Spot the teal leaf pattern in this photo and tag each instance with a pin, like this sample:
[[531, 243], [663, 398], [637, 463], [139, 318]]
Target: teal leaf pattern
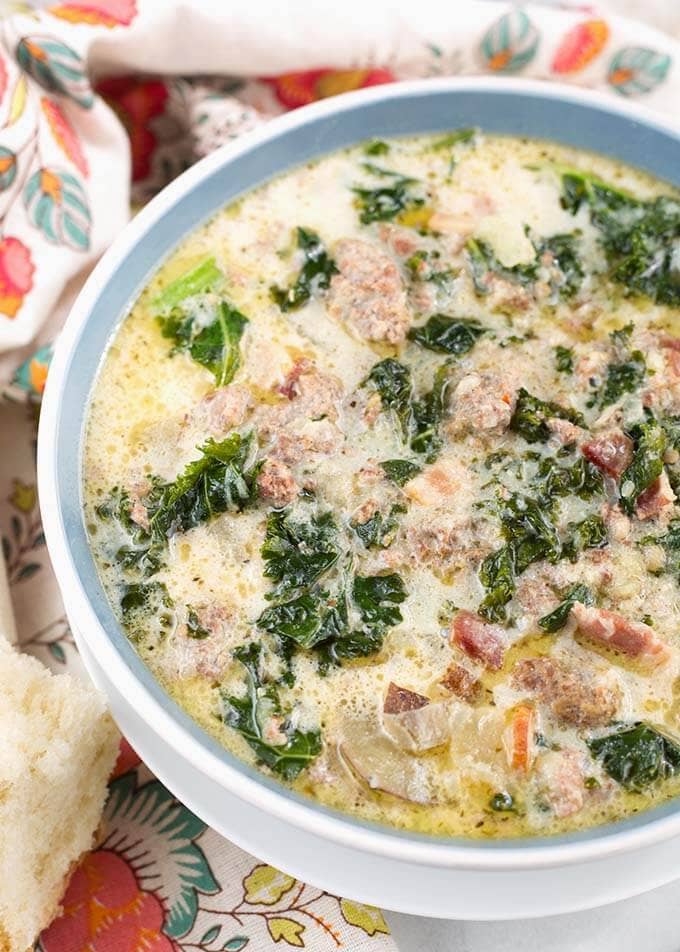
[[635, 70], [211, 935], [236, 943], [56, 67], [510, 43], [57, 205], [149, 814], [8, 168]]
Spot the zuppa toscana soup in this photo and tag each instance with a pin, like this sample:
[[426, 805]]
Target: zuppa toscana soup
[[380, 477]]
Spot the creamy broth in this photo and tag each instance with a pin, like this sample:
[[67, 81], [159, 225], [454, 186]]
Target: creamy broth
[[380, 481]]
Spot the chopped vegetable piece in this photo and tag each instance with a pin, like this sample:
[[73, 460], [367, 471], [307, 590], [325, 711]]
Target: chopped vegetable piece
[[215, 345], [297, 552], [392, 380], [388, 201], [564, 359], [400, 471], [531, 416], [484, 264], [649, 440]]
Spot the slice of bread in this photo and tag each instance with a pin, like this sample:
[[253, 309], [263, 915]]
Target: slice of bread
[[57, 748]]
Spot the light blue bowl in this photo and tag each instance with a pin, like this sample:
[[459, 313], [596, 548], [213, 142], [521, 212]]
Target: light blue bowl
[[563, 114]]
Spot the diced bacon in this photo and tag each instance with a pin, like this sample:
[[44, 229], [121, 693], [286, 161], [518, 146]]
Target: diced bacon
[[221, 410], [368, 293], [611, 452], [289, 387], [671, 343], [479, 639], [565, 432], [520, 738], [655, 499], [400, 699], [633, 638], [276, 483], [559, 775], [574, 699], [437, 483], [481, 402], [461, 682]]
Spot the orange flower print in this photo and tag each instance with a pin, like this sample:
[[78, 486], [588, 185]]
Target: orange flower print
[[37, 375], [580, 46], [299, 89], [108, 13], [136, 103], [105, 909], [16, 275]]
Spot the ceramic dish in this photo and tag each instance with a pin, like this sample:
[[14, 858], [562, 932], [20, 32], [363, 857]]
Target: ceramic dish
[[495, 880]]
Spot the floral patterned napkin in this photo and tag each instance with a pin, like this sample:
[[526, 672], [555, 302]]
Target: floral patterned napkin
[[89, 117]]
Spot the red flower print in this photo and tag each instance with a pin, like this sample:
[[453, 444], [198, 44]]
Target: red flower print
[[136, 102], [127, 759], [299, 89], [105, 910], [97, 12], [16, 275], [580, 46]]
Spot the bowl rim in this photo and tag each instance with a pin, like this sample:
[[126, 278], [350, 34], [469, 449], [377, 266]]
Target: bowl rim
[[511, 854]]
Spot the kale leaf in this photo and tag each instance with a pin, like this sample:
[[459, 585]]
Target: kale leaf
[[649, 440], [138, 552], [315, 274], [392, 380], [223, 478], [400, 471], [215, 345], [639, 237], [531, 414], [637, 756], [248, 715], [194, 627], [380, 529], [306, 619], [448, 335], [564, 359], [580, 478], [387, 201], [297, 552], [558, 617], [427, 414], [563, 248], [497, 575], [202, 278], [377, 599], [484, 264], [624, 376], [589, 533]]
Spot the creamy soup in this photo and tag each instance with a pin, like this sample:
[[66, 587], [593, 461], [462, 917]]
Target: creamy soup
[[380, 477]]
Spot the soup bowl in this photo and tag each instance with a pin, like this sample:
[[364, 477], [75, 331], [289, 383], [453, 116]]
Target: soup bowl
[[450, 878]]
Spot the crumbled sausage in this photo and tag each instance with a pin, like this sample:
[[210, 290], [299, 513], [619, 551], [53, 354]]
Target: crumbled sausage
[[481, 402], [221, 410], [461, 682], [276, 483], [574, 699], [368, 293], [559, 776], [565, 432]]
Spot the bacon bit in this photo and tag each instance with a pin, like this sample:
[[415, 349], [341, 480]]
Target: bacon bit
[[656, 497], [519, 739], [398, 700], [612, 452], [671, 343], [633, 638], [479, 639], [461, 682], [289, 387]]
